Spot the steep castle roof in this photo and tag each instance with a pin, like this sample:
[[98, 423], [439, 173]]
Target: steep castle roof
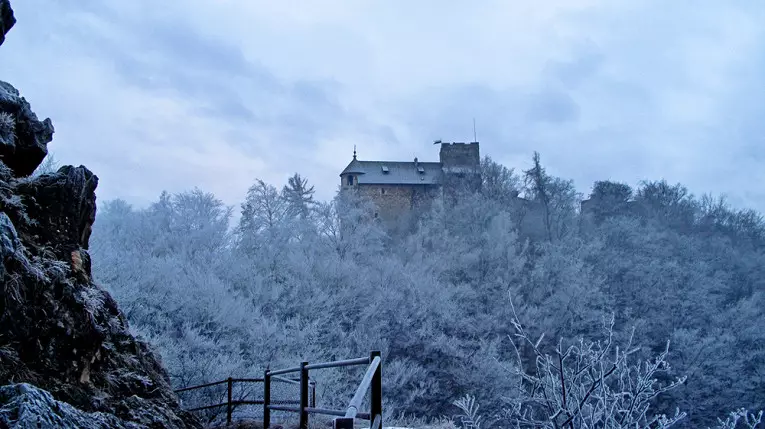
[[394, 172], [354, 167]]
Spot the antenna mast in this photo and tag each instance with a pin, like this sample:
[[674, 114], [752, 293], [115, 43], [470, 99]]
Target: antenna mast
[[475, 138]]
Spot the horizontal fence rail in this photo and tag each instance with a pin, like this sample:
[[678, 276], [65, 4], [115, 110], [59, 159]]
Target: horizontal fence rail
[[344, 419], [338, 364], [232, 403]]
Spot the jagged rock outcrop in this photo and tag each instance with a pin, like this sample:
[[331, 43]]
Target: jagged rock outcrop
[[26, 406], [23, 138], [60, 333], [6, 19]]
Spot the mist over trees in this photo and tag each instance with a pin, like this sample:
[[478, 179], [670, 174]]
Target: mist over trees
[[299, 279]]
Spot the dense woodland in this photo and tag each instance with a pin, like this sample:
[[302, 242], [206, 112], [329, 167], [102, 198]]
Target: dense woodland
[[473, 302]]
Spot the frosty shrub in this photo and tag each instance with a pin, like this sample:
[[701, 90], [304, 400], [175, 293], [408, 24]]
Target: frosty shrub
[[49, 165], [741, 418], [587, 384], [470, 417], [7, 124]]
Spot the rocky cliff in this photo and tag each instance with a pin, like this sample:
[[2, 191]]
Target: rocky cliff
[[6, 19], [67, 358]]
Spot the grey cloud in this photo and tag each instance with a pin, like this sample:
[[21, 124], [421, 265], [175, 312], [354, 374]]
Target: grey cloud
[[174, 59], [584, 66], [553, 106], [190, 49], [447, 113], [504, 119], [230, 110]]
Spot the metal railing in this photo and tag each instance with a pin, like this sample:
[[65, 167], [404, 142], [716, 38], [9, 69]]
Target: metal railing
[[232, 403], [344, 418]]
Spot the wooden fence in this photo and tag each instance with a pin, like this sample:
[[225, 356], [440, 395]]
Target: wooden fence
[[344, 419]]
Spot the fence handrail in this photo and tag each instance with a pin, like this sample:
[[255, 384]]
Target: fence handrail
[[235, 380], [201, 386], [353, 406], [339, 363], [372, 379], [285, 371]]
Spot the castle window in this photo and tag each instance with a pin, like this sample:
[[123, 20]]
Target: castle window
[[382, 191], [350, 180], [385, 169]]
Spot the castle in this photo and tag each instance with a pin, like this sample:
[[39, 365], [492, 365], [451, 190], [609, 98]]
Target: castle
[[401, 190]]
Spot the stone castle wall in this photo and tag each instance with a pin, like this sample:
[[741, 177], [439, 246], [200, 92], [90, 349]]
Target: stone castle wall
[[456, 157], [397, 203]]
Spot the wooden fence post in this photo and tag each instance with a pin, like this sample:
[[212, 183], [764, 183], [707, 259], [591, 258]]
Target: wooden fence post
[[376, 393], [342, 423], [266, 400], [303, 395], [228, 405]]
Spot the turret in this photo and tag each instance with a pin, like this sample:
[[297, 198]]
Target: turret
[[460, 157], [461, 165]]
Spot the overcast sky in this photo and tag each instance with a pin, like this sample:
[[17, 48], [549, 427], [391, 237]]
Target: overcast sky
[[217, 93]]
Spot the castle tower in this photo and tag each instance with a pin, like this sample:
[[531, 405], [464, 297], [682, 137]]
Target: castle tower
[[461, 166]]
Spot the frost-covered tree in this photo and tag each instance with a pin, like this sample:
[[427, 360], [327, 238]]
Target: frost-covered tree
[[162, 265], [537, 185], [499, 182], [609, 199], [283, 288], [193, 223], [263, 213], [264, 231], [556, 199], [298, 196], [672, 205]]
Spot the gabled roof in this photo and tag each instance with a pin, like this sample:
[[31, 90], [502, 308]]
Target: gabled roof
[[398, 173], [354, 167]]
